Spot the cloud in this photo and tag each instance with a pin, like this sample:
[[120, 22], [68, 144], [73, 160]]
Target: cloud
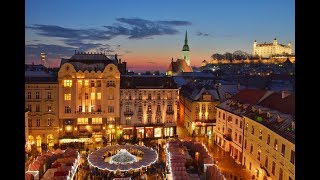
[[202, 34], [90, 39]]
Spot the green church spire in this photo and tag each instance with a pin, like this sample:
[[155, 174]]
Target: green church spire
[[185, 46]]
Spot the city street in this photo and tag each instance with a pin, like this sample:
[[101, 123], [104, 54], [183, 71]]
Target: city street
[[229, 168]]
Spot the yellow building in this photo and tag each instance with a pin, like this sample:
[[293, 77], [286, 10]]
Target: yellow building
[[41, 102], [269, 138], [148, 107], [89, 93], [266, 50], [230, 123], [198, 109]]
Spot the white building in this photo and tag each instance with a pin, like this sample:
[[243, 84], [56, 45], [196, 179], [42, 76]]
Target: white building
[[266, 50]]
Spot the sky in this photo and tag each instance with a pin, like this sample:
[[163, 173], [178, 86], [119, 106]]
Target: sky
[[147, 34]]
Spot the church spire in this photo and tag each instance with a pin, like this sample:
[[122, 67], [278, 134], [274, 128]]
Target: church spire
[[186, 39]]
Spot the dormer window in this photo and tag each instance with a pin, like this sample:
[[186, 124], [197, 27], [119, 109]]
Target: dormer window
[[293, 125], [253, 109], [279, 119], [260, 111], [268, 114]]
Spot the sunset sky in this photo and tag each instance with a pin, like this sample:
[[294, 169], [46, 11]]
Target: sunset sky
[[147, 34]]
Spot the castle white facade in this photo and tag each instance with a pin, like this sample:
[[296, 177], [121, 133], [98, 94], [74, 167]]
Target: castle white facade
[[267, 50]]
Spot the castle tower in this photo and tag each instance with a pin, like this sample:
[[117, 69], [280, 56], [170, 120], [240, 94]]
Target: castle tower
[[254, 47], [43, 57], [186, 51]]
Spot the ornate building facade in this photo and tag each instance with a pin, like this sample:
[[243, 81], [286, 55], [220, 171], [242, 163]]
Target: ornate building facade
[[89, 93], [148, 107], [41, 103]]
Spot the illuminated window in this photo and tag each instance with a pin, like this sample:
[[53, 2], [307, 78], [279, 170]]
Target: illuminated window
[[96, 120], [209, 107], [67, 109], [49, 122], [37, 95], [110, 109], [49, 108], [247, 125], [82, 121], [67, 97], [29, 95], [86, 83], [128, 120], [260, 134], [80, 83], [149, 108], [99, 95], [49, 95], [67, 83], [93, 96], [203, 108], [197, 108], [275, 145], [37, 107], [38, 123]]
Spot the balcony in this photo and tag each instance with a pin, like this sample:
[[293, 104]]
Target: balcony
[[170, 112], [227, 137], [128, 113]]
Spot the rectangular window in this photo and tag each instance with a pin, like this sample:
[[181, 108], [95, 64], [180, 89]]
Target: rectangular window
[[149, 119], [99, 108], [86, 95], [250, 166], [67, 83], [224, 116], [275, 145], [158, 96], [80, 83], [240, 139], [240, 124], [86, 83], [266, 162], [49, 95], [67, 97], [67, 109], [169, 107], [268, 139], [80, 108], [37, 107], [292, 157], [82, 121], [280, 174], [96, 120], [38, 123], [110, 109], [235, 136], [99, 95], [99, 83], [30, 122], [149, 96], [252, 129], [219, 114], [273, 167], [251, 149], [140, 97], [247, 126], [283, 150], [260, 134], [93, 96], [259, 153], [37, 95], [29, 95], [49, 122], [92, 83], [49, 108], [30, 107], [236, 121]]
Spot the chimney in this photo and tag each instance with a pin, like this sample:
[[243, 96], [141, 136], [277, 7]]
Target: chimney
[[285, 94]]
